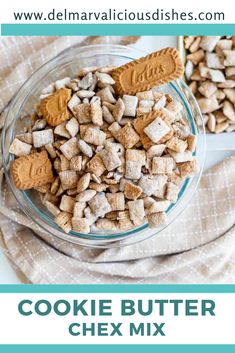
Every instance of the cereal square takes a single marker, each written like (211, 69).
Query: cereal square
(99, 205)
(127, 136)
(172, 192)
(162, 165)
(42, 137)
(135, 159)
(176, 144)
(152, 184)
(96, 166)
(110, 158)
(116, 201)
(68, 179)
(136, 210)
(67, 203)
(156, 130)
(80, 225)
(188, 168)
(130, 103)
(70, 148)
(95, 136)
(82, 113)
(19, 148)
(132, 191)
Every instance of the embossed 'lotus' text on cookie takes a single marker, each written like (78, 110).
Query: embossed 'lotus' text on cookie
(152, 70)
(32, 171)
(54, 108)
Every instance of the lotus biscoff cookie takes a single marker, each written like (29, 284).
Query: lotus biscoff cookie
(152, 70)
(54, 108)
(32, 171)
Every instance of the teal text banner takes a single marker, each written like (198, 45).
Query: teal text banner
(107, 348)
(115, 29)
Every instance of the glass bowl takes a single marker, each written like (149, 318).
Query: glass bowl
(65, 64)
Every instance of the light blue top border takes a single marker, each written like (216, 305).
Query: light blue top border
(116, 29)
(117, 288)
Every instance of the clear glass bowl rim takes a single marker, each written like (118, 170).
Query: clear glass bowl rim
(103, 241)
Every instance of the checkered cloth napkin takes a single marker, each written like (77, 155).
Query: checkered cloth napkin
(199, 247)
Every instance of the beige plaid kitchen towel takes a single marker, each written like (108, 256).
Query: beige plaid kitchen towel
(199, 247)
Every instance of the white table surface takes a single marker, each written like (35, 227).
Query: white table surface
(148, 44)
